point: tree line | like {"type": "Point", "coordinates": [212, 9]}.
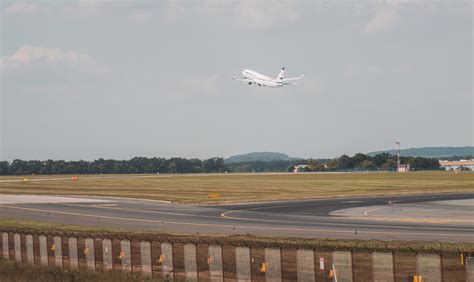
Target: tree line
{"type": "Point", "coordinates": [132, 166]}
{"type": "Point", "coordinates": [363, 162]}
{"type": "Point", "coordinates": [358, 162]}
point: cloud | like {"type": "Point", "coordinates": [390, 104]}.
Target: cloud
{"type": "Point", "coordinates": [264, 14]}
{"type": "Point", "coordinates": [85, 8]}
{"type": "Point", "coordinates": [25, 9]}
{"type": "Point", "coordinates": [142, 15]}
{"type": "Point", "coordinates": [207, 85]}
{"type": "Point", "coordinates": [311, 85]}
{"type": "Point", "coordinates": [245, 15]}
{"type": "Point", "coordinates": [167, 12]}
{"type": "Point", "coordinates": [385, 18]}
{"type": "Point", "coordinates": [28, 57]}
{"type": "Point", "coordinates": [81, 8]}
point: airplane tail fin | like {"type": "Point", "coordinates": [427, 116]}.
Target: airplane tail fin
{"type": "Point", "coordinates": [281, 73]}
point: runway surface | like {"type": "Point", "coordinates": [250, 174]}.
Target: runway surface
{"type": "Point", "coordinates": [444, 217]}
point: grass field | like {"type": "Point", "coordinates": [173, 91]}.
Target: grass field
{"type": "Point", "coordinates": [22, 272]}
{"type": "Point", "coordinates": [241, 188]}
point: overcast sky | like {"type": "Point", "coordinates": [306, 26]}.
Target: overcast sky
{"type": "Point", "coordinates": [91, 79]}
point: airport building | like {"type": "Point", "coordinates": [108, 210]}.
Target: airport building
{"type": "Point", "coordinates": [457, 165]}
{"type": "Point", "coordinates": [403, 168]}
{"type": "Point", "coordinates": [299, 168]}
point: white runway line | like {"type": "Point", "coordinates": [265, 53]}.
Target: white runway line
{"type": "Point", "coordinates": [34, 199]}
{"type": "Point", "coordinates": [427, 212]}
{"type": "Point", "coordinates": [80, 178]}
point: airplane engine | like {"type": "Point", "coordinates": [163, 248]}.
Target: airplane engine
{"type": "Point", "coordinates": [250, 83]}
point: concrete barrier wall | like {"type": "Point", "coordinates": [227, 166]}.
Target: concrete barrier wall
{"type": "Point", "coordinates": [470, 269]}
{"type": "Point", "coordinates": [429, 266]}
{"type": "Point", "coordinates": [145, 258]}
{"type": "Point", "coordinates": [273, 264]}
{"type": "Point", "coordinates": [167, 260]}
{"type": "Point", "coordinates": [17, 240]}
{"type": "Point", "coordinates": [382, 267]}
{"type": "Point", "coordinates": [125, 255]}
{"type": "Point", "coordinates": [107, 254]}
{"type": "Point", "coordinates": [30, 257]}
{"type": "Point", "coordinates": [342, 261]}
{"type": "Point", "coordinates": [73, 259]}
{"type": "Point", "coordinates": [58, 251]}
{"type": "Point", "coordinates": [193, 262]}
{"type": "Point", "coordinates": [89, 253]}
{"type": "Point", "coordinates": [215, 263]}
{"type": "Point", "coordinates": [305, 265]}
{"type": "Point", "coordinates": [43, 248]}
{"type": "Point", "coordinates": [242, 261]}
{"type": "Point", "coordinates": [6, 250]}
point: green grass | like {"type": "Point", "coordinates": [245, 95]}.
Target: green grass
{"type": "Point", "coordinates": [243, 187]}
{"type": "Point", "coordinates": [56, 229]}
{"type": "Point", "coordinates": [22, 272]}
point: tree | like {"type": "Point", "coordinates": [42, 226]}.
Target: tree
{"type": "Point", "coordinates": [358, 159]}
{"type": "Point", "coordinates": [4, 168]}
{"type": "Point", "coordinates": [344, 162]}
{"type": "Point", "coordinates": [420, 163]}
{"type": "Point", "coordinates": [368, 165]}
{"type": "Point", "coordinates": [389, 165]}
{"type": "Point", "coordinates": [380, 159]}
{"type": "Point", "coordinates": [214, 165]}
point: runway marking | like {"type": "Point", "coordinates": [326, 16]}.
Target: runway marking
{"type": "Point", "coordinates": [233, 226]}
{"type": "Point", "coordinates": [402, 219]}
{"type": "Point", "coordinates": [101, 205]}
{"type": "Point", "coordinates": [137, 210]}
{"type": "Point", "coordinates": [366, 213]}
{"type": "Point", "coordinates": [80, 178]}
{"type": "Point", "coordinates": [418, 220]}
{"type": "Point", "coordinates": [225, 215]}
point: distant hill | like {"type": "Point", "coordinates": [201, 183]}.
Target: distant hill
{"type": "Point", "coordinates": [431, 152]}
{"type": "Point", "coordinates": [258, 156]}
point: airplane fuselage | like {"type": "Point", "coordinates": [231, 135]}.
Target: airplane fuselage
{"type": "Point", "coordinates": [259, 79]}
{"type": "Point", "coordinates": [255, 78]}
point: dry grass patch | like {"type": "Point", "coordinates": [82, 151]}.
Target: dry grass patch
{"type": "Point", "coordinates": [22, 272]}
{"type": "Point", "coordinates": [243, 187]}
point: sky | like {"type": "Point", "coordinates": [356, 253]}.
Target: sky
{"type": "Point", "coordinates": [117, 79]}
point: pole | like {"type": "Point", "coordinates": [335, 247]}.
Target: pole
{"type": "Point", "coordinates": [398, 154]}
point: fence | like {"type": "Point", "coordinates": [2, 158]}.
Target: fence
{"type": "Point", "coordinates": [199, 261]}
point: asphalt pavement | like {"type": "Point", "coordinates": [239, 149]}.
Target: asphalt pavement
{"type": "Point", "coordinates": [443, 217]}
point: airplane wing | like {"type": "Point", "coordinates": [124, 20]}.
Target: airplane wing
{"type": "Point", "coordinates": [292, 79]}
{"type": "Point", "coordinates": [238, 79]}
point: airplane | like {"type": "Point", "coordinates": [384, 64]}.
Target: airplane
{"type": "Point", "coordinates": [253, 77]}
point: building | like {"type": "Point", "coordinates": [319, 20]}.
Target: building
{"type": "Point", "coordinates": [403, 168]}
{"type": "Point", "coordinates": [299, 168]}
{"type": "Point", "coordinates": [457, 165]}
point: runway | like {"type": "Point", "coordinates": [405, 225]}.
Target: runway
{"type": "Point", "coordinates": [444, 217]}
